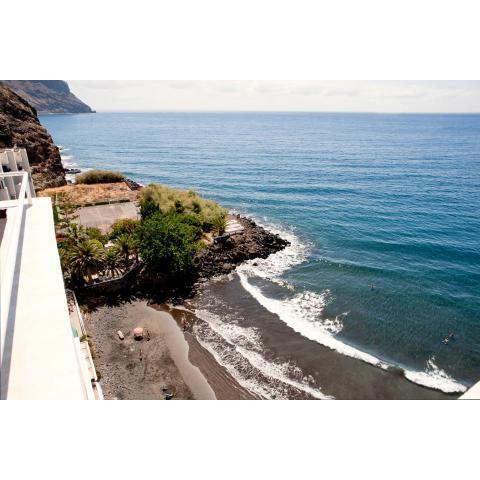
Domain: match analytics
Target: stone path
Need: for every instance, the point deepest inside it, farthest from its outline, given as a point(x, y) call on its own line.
point(233, 226)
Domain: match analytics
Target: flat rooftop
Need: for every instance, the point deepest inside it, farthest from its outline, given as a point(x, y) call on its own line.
point(40, 359)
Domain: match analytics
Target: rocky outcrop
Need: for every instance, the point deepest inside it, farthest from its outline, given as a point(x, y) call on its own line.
point(48, 96)
point(19, 125)
point(253, 242)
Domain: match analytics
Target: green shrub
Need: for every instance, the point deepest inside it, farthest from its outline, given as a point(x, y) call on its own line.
point(95, 234)
point(147, 207)
point(169, 200)
point(99, 176)
point(193, 221)
point(124, 226)
point(168, 243)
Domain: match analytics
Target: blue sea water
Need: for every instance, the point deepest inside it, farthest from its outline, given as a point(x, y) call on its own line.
point(384, 210)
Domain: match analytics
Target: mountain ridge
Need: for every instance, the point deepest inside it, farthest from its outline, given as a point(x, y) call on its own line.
point(48, 96)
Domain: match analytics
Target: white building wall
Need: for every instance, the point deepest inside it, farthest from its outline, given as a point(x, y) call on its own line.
point(42, 361)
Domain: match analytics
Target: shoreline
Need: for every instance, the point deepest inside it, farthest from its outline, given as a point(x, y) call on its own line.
point(175, 359)
point(172, 358)
point(196, 372)
point(280, 362)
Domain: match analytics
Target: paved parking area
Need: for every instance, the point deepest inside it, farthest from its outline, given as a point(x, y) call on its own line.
point(102, 216)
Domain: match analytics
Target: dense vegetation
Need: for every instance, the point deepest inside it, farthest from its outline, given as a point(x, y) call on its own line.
point(83, 254)
point(166, 239)
point(124, 226)
point(168, 243)
point(99, 176)
point(209, 213)
point(86, 251)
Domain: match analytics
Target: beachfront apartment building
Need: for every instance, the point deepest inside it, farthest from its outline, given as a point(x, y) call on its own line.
point(42, 355)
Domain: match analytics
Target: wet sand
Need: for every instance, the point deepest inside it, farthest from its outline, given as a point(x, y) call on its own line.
point(166, 363)
point(334, 374)
point(223, 384)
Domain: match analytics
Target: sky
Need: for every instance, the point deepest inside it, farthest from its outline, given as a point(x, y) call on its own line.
point(294, 95)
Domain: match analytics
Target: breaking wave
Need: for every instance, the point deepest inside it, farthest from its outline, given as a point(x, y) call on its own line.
point(435, 377)
point(303, 312)
point(67, 161)
point(239, 350)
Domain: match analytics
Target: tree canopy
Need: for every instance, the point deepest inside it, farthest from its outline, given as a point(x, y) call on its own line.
point(168, 243)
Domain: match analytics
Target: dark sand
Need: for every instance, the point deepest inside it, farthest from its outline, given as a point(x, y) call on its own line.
point(223, 384)
point(139, 370)
point(174, 359)
point(337, 375)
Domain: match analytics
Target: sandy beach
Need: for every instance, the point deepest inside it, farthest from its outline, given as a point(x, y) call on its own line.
point(171, 361)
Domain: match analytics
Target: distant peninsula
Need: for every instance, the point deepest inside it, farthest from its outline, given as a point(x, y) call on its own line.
point(48, 96)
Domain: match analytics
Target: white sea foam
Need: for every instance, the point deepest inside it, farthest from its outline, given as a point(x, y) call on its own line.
point(281, 372)
point(239, 350)
point(273, 266)
point(435, 377)
point(229, 330)
point(67, 161)
point(302, 314)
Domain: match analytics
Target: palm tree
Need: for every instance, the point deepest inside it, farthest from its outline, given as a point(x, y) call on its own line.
point(75, 233)
point(86, 258)
point(112, 261)
point(126, 247)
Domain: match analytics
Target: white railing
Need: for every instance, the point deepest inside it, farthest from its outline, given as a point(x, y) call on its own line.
point(7, 274)
point(97, 389)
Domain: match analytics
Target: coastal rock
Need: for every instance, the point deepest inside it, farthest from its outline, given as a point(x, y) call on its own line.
point(48, 96)
point(132, 185)
point(253, 242)
point(19, 125)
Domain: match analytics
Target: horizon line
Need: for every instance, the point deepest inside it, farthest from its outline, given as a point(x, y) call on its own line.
point(269, 111)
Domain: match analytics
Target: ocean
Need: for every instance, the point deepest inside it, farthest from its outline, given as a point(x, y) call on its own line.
point(383, 215)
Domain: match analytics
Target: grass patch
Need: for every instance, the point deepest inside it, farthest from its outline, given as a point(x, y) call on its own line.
point(171, 200)
point(99, 176)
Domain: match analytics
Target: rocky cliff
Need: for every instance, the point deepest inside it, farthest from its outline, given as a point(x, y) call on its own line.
point(19, 125)
point(48, 96)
